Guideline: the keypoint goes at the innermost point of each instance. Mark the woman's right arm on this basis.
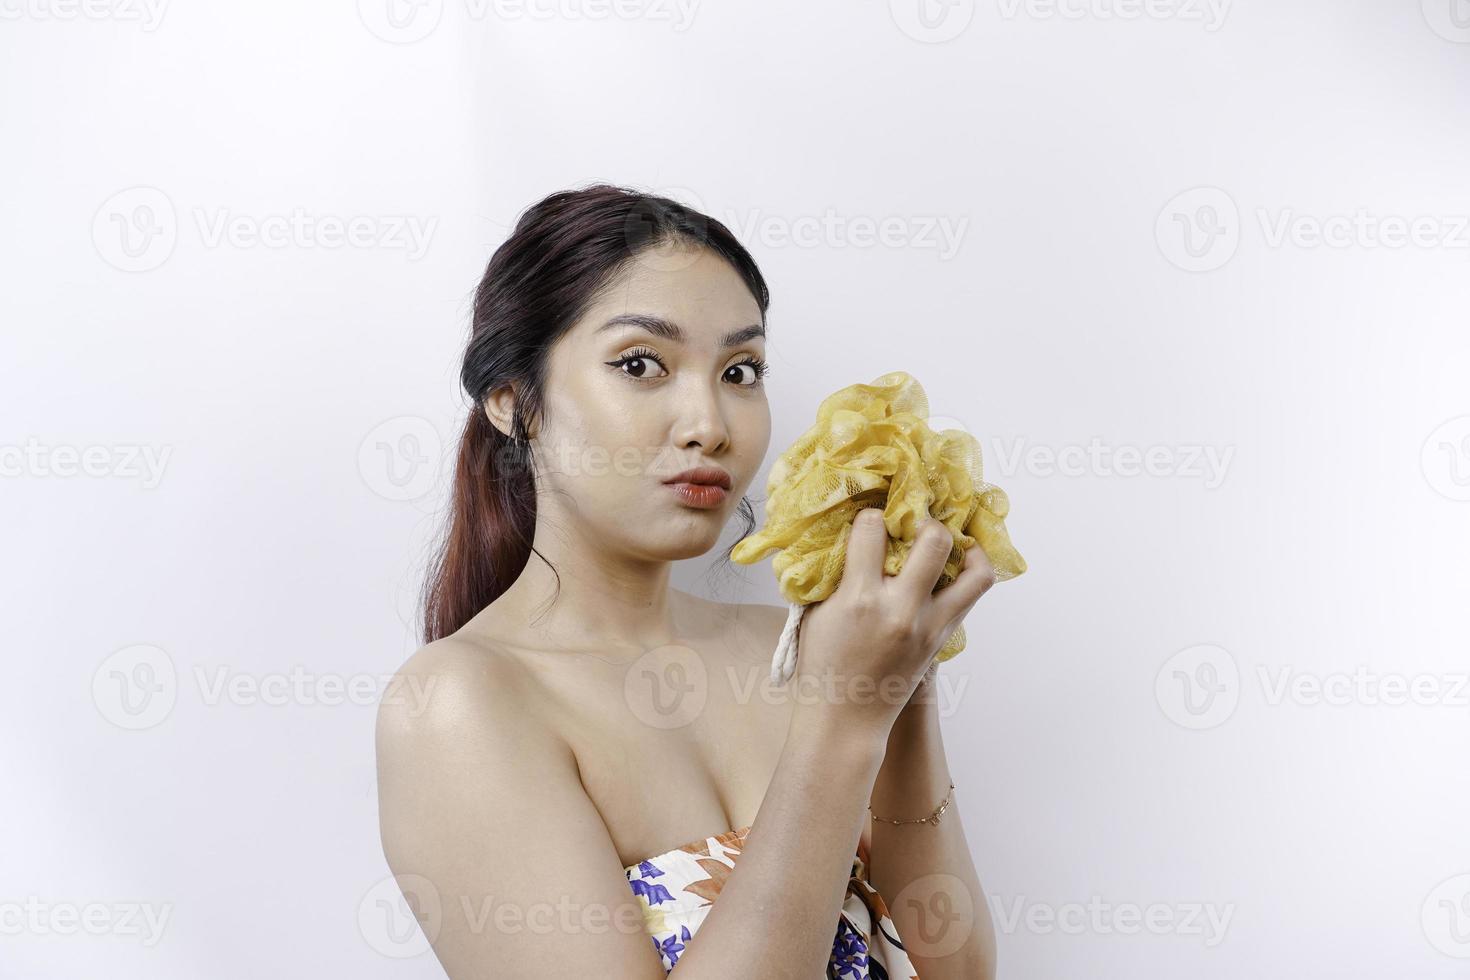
(480, 797)
(866, 648)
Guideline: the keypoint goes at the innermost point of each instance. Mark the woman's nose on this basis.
(703, 423)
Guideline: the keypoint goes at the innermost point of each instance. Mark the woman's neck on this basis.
(594, 598)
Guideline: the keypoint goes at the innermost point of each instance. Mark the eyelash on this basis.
(762, 368)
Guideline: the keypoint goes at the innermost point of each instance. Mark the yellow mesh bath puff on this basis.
(872, 446)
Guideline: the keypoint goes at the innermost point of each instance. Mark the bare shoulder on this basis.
(459, 688)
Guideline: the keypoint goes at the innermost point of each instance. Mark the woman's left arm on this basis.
(925, 870)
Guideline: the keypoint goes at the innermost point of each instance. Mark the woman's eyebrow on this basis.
(660, 327)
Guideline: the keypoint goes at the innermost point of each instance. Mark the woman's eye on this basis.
(640, 366)
(753, 371)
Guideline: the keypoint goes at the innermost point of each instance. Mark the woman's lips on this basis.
(699, 494)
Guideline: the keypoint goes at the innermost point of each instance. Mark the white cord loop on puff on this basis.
(783, 662)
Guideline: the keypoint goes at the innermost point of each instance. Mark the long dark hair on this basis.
(563, 250)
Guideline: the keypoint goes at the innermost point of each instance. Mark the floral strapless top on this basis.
(678, 888)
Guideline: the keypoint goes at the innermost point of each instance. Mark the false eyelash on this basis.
(636, 354)
(762, 368)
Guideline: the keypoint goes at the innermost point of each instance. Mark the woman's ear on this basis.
(499, 408)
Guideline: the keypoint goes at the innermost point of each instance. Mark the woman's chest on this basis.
(673, 746)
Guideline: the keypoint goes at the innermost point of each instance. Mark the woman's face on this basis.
(660, 375)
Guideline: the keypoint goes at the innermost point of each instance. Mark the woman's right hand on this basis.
(864, 649)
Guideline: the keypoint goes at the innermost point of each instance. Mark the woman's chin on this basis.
(689, 535)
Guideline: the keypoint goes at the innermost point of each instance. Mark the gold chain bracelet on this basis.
(932, 819)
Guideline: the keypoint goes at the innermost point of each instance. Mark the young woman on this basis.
(593, 749)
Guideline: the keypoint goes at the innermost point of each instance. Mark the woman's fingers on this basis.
(925, 560)
(867, 546)
(976, 577)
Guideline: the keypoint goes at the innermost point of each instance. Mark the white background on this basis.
(1118, 179)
